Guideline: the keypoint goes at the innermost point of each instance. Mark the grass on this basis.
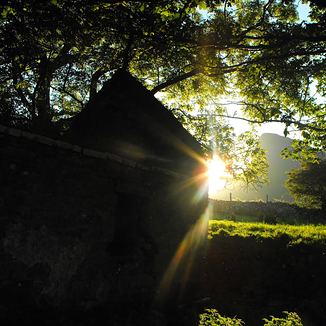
(295, 233)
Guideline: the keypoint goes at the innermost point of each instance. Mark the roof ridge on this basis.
(163, 112)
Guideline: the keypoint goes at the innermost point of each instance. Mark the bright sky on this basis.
(303, 10)
(241, 126)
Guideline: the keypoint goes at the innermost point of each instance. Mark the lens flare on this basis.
(181, 265)
(217, 175)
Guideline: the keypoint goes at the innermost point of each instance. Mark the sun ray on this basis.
(217, 175)
(181, 264)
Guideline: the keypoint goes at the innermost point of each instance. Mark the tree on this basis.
(249, 162)
(258, 47)
(269, 59)
(307, 185)
(243, 154)
(55, 55)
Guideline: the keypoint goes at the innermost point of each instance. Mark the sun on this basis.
(217, 175)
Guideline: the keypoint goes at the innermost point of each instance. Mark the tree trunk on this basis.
(42, 102)
(323, 202)
(96, 76)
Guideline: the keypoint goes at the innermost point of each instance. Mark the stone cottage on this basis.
(90, 223)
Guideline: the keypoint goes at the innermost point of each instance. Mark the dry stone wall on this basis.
(271, 212)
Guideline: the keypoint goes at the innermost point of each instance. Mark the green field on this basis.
(256, 270)
(295, 233)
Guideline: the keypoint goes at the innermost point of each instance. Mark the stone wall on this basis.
(271, 212)
(83, 231)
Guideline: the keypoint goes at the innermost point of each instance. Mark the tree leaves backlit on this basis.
(55, 55)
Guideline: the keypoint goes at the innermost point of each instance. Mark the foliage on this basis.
(291, 319)
(56, 54)
(294, 233)
(260, 54)
(250, 170)
(212, 318)
(307, 185)
(243, 153)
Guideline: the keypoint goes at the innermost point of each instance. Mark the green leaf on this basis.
(202, 5)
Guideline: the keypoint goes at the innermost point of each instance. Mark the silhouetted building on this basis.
(92, 223)
(126, 119)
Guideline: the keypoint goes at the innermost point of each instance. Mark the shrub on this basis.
(291, 319)
(212, 318)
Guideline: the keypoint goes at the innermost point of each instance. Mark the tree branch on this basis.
(233, 68)
(23, 98)
(176, 79)
(286, 121)
(70, 94)
(260, 21)
(94, 80)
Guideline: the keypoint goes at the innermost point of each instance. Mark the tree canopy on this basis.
(191, 53)
(307, 185)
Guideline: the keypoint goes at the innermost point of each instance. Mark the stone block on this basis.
(14, 132)
(114, 157)
(3, 129)
(77, 148)
(45, 140)
(93, 153)
(63, 145)
(28, 135)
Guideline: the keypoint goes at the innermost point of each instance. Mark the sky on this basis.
(303, 10)
(271, 127)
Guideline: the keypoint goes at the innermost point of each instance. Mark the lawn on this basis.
(253, 270)
(295, 233)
